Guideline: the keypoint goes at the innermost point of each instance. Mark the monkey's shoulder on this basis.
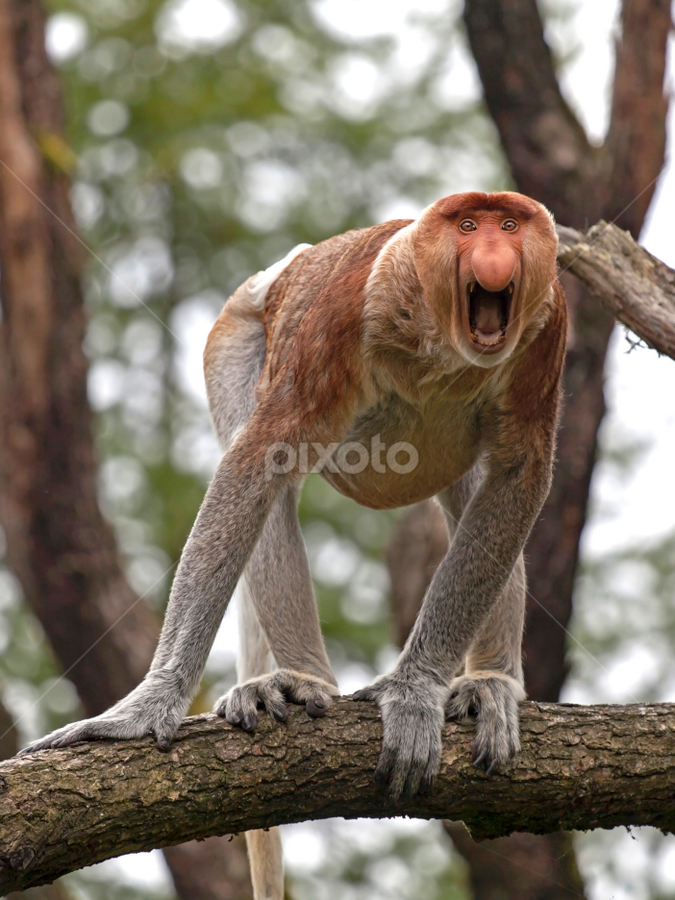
(331, 267)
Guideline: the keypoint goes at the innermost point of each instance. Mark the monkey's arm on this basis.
(462, 594)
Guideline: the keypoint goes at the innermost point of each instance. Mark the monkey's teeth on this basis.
(510, 287)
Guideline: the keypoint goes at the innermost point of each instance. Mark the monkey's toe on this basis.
(239, 706)
(492, 702)
(368, 694)
(316, 707)
(272, 693)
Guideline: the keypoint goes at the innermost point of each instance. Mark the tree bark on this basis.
(59, 545)
(579, 767)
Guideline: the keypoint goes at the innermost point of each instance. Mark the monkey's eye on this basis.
(467, 225)
(509, 225)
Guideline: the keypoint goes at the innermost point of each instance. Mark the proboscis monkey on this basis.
(443, 338)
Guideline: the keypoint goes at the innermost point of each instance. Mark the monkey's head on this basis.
(487, 264)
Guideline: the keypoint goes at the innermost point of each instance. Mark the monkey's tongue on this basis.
(487, 316)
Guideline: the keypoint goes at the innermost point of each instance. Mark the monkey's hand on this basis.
(157, 706)
(413, 711)
(271, 692)
(492, 700)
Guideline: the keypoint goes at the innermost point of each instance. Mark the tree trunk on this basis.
(579, 767)
(520, 867)
(59, 545)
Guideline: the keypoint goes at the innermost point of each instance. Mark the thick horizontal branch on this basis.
(579, 768)
(637, 288)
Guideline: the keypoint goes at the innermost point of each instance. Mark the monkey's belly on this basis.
(390, 470)
(382, 492)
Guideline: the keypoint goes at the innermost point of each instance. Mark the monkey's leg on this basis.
(280, 588)
(277, 589)
(229, 522)
(492, 685)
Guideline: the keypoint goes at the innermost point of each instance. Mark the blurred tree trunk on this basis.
(552, 160)
(59, 545)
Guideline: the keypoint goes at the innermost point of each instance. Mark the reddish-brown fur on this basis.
(334, 345)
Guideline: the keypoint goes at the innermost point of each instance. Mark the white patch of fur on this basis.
(259, 284)
(385, 258)
(238, 359)
(231, 379)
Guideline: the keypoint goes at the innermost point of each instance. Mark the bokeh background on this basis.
(204, 139)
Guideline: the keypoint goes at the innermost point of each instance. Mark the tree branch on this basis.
(637, 288)
(580, 767)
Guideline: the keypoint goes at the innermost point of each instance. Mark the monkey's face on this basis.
(487, 265)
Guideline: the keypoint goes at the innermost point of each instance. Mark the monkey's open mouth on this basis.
(489, 314)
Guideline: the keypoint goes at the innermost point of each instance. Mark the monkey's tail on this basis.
(264, 846)
(267, 867)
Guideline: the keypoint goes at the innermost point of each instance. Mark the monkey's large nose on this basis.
(493, 266)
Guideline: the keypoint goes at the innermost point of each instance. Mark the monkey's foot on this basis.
(271, 692)
(157, 706)
(412, 718)
(491, 699)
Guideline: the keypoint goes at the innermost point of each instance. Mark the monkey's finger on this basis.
(43, 744)
(49, 742)
(164, 739)
(87, 730)
(395, 765)
(275, 703)
(479, 757)
(314, 694)
(241, 708)
(316, 707)
(428, 778)
(398, 780)
(370, 694)
(424, 763)
(385, 769)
